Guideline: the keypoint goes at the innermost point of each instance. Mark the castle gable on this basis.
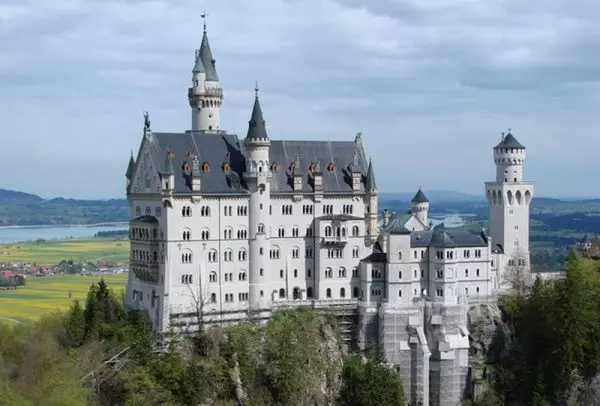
(145, 177)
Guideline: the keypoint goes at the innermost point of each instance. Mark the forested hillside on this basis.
(23, 209)
(295, 359)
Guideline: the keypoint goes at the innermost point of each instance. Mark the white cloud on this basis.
(430, 83)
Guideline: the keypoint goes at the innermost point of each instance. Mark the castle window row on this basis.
(287, 210)
(186, 279)
(335, 253)
(307, 209)
(144, 256)
(241, 234)
(348, 209)
(148, 211)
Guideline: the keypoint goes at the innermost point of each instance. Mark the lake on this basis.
(29, 233)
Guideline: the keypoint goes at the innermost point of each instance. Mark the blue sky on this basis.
(431, 84)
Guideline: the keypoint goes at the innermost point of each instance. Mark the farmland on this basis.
(50, 252)
(42, 295)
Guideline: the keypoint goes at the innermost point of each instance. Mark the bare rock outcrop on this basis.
(490, 335)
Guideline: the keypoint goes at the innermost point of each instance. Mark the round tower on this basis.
(509, 198)
(205, 96)
(258, 177)
(419, 206)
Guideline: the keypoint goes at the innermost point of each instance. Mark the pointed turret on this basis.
(167, 168)
(130, 167)
(371, 184)
(256, 125)
(419, 206)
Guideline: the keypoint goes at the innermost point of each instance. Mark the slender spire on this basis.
(130, 167)
(198, 65)
(256, 125)
(371, 184)
(256, 90)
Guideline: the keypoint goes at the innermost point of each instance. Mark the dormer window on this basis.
(292, 167)
(313, 167)
(225, 167)
(331, 167)
(205, 167)
(274, 167)
(185, 167)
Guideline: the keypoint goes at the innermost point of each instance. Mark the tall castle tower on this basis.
(205, 95)
(258, 177)
(509, 198)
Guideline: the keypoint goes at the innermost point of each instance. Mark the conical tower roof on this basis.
(207, 59)
(509, 141)
(130, 167)
(371, 184)
(256, 125)
(198, 65)
(419, 197)
(167, 168)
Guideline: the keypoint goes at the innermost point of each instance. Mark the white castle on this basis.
(225, 230)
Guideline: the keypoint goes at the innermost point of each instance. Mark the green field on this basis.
(52, 252)
(42, 295)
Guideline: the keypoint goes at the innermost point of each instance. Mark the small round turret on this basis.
(509, 157)
(419, 206)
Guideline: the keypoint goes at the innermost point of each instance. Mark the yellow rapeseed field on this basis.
(42, 295)
(51, 252)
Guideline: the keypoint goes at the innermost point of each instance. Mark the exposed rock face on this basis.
(490, 335)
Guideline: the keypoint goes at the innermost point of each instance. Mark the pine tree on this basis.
(75, 326)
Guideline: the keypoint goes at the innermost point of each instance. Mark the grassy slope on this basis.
(50, 293)
(52, 252)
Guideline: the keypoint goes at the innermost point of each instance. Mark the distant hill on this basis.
(15, 196)
(446, 196)
(25, 209)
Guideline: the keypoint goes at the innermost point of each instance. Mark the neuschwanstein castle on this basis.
(227, 229)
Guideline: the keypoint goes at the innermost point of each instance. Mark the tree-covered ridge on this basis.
(296, 358)
(554, 355)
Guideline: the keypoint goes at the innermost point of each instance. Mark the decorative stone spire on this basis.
(371, 184)
(196, 167)
(353, 167)
(256, 125)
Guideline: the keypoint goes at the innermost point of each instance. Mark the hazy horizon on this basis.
(431, 85)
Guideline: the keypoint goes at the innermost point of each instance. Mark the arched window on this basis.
(328, 231)
(328, 293)
(205, 234)
(342, 292)
(213, 298)
(399, 256)
(242, 255)
(212, 256)
(228, 255)
(212, 277)
(355, 231)
(261, 228)
(282, 293)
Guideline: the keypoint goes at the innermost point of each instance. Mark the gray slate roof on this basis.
(509, 141)
(207, 60)
(213, 149)
(447, 238)
(419, 197)
(396, 224)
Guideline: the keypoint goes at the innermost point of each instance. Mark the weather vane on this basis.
(204, 15)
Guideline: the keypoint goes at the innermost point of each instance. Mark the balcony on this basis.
(334, 240)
